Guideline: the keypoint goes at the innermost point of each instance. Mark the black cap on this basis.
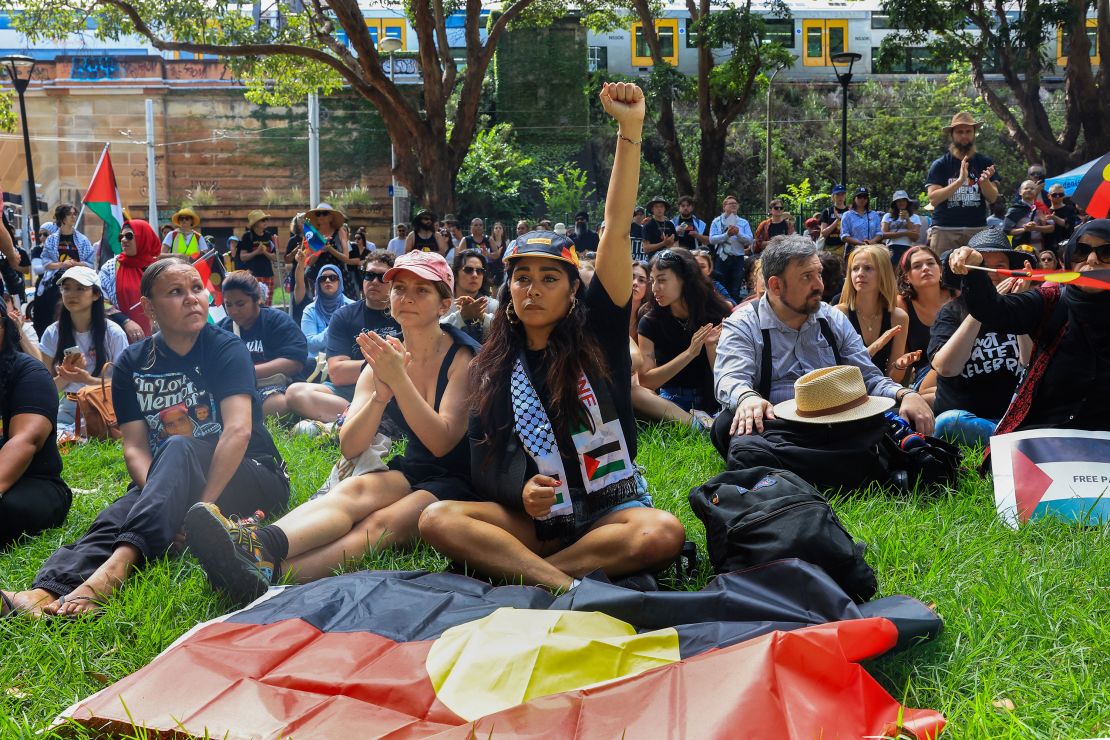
(861, 191)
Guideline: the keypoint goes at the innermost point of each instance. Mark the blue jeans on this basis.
(964, 427)
(685, 398)
(730, 273)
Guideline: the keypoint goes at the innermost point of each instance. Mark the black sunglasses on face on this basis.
(474, 270)
(1083, 252)
(126, 236)
(329, 278)
(1055, 195)
(373, 277)
(776, 208)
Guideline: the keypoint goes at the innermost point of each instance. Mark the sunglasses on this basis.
(330, 278)
(474, 270)
(1083, 251)
(776, 208)
(1055, 195)
(126, 236)
(374, 277)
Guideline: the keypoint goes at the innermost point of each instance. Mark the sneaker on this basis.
(232, 556)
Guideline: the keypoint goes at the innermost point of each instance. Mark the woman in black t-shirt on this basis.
(192, 430)
(678, 332)
(553, 438)
(277, 346)
(33, 496)
(420, 385)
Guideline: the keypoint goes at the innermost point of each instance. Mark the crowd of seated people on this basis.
(506, 365)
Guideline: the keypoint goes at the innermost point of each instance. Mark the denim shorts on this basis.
(583, 523)
(346, 392)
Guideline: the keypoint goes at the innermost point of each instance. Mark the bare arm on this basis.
(136, 450)
(363, 418)
(27, 433)
(949, 361)
(654, 376)
(236, 414)
(625, 103)
(343, 370)
(282, 365)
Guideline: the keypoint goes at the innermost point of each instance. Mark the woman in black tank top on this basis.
(868, 302)
(422, 385)
(921, 296)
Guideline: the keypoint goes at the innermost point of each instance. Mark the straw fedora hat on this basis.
(255, 216)
(831, 395)
(963, 118)
(176, 218)
(325, 211)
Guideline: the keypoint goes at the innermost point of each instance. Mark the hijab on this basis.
(327, 305)
(1091, 311)
(129, 271)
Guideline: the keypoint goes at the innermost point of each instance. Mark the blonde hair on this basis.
(880, 261)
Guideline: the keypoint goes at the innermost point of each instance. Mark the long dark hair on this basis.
(98, 326)
(905, 289)
(460, 263)
(8, 347)
(572, 349)
(895, 212)
(703, 304)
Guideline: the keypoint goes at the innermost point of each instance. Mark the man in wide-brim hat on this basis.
(186, 213)
(961, 185)
(659, 233)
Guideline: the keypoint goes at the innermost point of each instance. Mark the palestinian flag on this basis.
(772, 651)
(1066, 477)
(1092, 194)
(103, 199)
(603, 460)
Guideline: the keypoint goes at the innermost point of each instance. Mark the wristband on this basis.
(740, 399)
(630, 141)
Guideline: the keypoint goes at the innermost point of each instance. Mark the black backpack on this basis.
(761, 514)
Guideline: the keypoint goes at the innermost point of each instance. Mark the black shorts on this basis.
(437, 480)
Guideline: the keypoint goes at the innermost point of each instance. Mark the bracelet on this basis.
(740, 399)
(630, 141)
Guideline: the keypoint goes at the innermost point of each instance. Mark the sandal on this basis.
(67, 599)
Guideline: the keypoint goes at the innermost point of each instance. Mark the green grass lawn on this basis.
(1027, 613)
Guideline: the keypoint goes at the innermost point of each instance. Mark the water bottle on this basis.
(903, 434)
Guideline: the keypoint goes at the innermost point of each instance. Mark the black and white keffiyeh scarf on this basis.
(606, 467)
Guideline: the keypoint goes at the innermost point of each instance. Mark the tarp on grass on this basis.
(772, 651)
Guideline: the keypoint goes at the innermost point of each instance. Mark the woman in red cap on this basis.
(421, 385)
(553, 435)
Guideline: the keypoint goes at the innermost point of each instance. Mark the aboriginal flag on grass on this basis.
(768, 652)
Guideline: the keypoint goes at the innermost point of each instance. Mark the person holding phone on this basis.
(79, 345)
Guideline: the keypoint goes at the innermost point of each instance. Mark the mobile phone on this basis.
(71, 351)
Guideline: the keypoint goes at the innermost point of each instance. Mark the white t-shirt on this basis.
(898, 224)
(396, 245)
(115, 342)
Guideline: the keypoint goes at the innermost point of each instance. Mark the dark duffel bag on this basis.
(762, 514)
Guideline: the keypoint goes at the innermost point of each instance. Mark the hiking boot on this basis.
(232, 556)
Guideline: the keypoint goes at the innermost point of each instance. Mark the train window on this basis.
(691, 34)
(880, 20)
(381, 28)
(822, 40)
(667, 31)
(1063, 44)
(779, 31)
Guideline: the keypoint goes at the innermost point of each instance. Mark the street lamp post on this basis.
(767, 168)
(844, 58)
(390, 45)
(19, 69)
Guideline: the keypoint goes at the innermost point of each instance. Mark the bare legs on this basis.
(649, 406)
(313, 401)
(503, 544)
(364, 513)
(275, 405)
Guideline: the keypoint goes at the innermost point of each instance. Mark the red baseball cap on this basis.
(427, 265)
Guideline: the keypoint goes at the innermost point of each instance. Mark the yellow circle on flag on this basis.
(515, 655)
(1060, 277)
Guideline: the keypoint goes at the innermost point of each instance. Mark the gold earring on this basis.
(510, 314)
